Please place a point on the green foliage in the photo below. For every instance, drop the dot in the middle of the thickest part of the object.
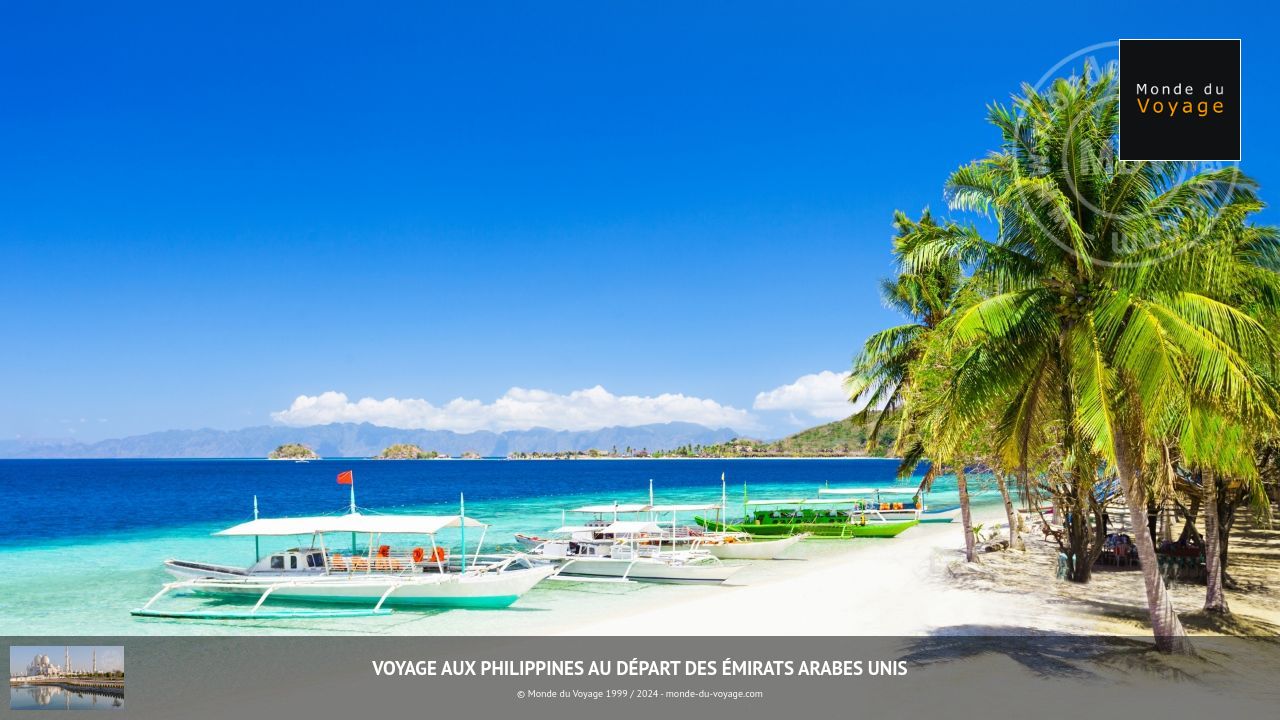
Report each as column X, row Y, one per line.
column 842, row 438
column 407, row 451
column 849, row 437
column 292, row 451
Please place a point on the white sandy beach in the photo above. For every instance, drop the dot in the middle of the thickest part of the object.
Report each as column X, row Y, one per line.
column 916, row 584
column 868, row 587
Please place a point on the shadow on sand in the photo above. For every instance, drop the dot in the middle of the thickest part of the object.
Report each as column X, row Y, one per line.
column 1047, row 656
column 1102, row 658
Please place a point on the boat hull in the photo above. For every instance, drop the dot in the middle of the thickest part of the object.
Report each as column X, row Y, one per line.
column 645, row 571
column 770, row 549
column 942, row 515
column 528, row 542
column 841, row 531
column 484, row 590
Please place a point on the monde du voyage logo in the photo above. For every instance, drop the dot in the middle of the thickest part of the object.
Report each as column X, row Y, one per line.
column 1180, row 100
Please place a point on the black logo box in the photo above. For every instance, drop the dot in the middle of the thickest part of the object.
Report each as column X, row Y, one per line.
column 1187, row 68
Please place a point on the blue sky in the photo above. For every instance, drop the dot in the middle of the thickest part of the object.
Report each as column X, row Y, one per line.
column 208, row 211
column 110, row 657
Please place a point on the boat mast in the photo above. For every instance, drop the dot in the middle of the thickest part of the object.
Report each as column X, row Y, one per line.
column 462, row 527
column 724, row 503
column 352, row 509
column 257, row 553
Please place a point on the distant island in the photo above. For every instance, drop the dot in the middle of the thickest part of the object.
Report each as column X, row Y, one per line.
column 352, row 440
column 409, row 451
column 293, row 451
column 842, row 438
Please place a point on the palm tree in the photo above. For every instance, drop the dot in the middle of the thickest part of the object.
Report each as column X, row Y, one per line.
column 882, row 374
column 1225, row 455
column 1085, row 321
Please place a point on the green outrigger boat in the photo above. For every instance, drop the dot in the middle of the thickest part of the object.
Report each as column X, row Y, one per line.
column 821, row 517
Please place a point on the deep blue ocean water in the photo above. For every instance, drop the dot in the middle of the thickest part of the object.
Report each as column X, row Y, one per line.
column 57, row 501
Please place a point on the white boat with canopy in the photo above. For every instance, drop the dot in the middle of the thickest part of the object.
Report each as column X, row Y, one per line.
column 885, row 501
column 661, row 527
column 378, row 576
column 724, row 544
column 610, row 548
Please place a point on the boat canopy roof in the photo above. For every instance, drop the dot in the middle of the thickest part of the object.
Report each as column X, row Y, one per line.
column 622, row 508
column 867, row 491
column 574, row 529
column 622, row 527
column 641, row 507
column 684, row 508
column 352, row 522
column 802, row 501
column 631, row 527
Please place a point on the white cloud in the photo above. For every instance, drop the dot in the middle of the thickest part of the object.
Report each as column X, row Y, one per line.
column 819, row 395
column 518, row 409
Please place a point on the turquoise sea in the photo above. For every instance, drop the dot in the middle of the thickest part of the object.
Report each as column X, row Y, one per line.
column 84, row 540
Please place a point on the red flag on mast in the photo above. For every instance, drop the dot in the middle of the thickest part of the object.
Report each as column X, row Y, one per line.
column 344, row 477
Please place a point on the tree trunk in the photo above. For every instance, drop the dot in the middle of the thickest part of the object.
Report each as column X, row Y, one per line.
column 1170, row 636
column 1215, row 600
column 1227, row 507
column 1015, row 540
column 966, row 520
column 1189, row 528
column 1153, row 522
column 1076, row 524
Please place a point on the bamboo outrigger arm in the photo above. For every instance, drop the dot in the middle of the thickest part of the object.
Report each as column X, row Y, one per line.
column 256, row 613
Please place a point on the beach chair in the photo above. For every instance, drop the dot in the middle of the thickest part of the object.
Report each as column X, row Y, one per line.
column 337, row 563
column 384, row 562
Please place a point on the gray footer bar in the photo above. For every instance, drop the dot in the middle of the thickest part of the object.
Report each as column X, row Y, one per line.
column 619, row 678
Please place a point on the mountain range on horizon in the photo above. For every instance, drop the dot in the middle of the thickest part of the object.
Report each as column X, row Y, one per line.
column 366, row 440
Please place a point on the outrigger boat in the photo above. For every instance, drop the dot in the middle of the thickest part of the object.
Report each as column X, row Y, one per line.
column 316, row 573
column 723, row 545
column 726, row 545
column 821, row 517
column 882, row 500
column 624, row 550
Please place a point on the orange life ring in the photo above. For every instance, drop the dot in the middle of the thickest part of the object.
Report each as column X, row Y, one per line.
column 418, row 554
column 438, row 554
